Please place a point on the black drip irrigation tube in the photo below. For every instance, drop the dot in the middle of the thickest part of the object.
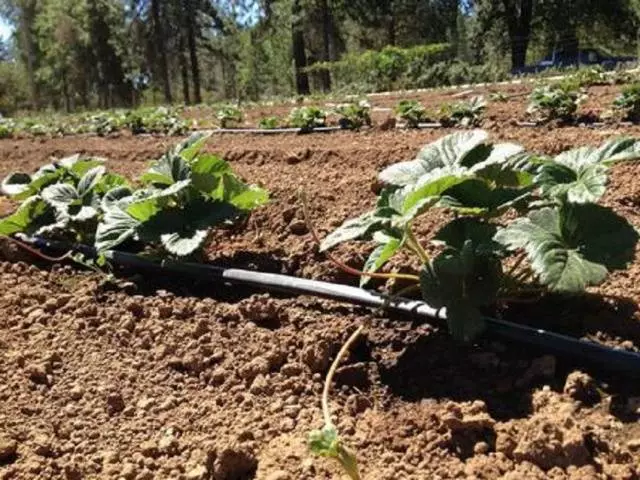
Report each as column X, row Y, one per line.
column 600, row 356
column 275, row 131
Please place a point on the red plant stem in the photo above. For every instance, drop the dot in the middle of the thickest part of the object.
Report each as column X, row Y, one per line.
column 35, row 252
column 346, row 268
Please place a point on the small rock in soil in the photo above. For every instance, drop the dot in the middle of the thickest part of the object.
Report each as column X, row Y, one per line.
column 42, row 446
column 291, row 369
column 76, row 393
column 355, row 375
column 254, row 368
column 298, row 227
column 481, row 448
column 8, row 450
column 168, row 445
column 582, row 387
column 38, row 374
column 634, row 445
column 261, row 310
column 128, row 471
column 115, row 403
column 198, row 473
column 234, row 462
column 149, row 449
column 317, row 356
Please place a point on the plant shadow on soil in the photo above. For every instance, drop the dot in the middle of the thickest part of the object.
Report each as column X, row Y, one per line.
column 505, row 375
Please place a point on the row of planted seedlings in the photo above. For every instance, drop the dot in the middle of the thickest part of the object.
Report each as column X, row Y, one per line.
column 349, row 116
column 158, row 121
column 556, row 102
column 524, row 224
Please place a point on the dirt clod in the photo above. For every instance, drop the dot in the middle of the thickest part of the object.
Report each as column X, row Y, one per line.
column 38, row 373
column 8, row 449
column 115, row 403
column 235, row 461
column 582, row 387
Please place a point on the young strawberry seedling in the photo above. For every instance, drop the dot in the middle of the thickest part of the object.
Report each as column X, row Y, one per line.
column 307, row 118
column 229, row 117
column 628, row 102
column 354, row 116
column 326, row 442
column 555, row 102
column 411, row 112
column 463, row 114
column 560, row 239
column 183, row 195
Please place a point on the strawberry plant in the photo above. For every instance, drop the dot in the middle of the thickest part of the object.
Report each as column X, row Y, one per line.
column 555, row 102
column 268, row 123
column 307, row 118
column 411, row 112
column 498, row 97
column 183, row 195
column 559, row 239
column 7, row 128
column 62, row 199
column 590, row 76
column 229, row 117
column 628, row 102
column 354, row 116
column 160, row 120
column 463, row 114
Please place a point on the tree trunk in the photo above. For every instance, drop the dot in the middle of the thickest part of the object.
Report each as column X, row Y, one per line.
column 182, row 60
column 65, row 92
column 193, row 51
column 391, row 27
column 27, row 16
column 325, row 75
column 162, row 51
column 299, row 53
column 519, row 15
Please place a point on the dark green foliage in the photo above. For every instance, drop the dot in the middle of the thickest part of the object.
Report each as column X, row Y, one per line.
column 354, row 115
column 307, row 118
column 184, row 195
column 555, row 102
column 569, row 241
column 464, row 113
column 411, row 112
column 628, row 102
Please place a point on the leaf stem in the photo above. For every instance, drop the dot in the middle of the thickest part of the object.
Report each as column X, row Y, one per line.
column 516, row 264
column 414, row 244
column 524, row 275
column 326, row 412
column 342, row 266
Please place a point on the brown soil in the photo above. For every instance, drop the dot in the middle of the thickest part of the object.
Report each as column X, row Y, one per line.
column 157, row 378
